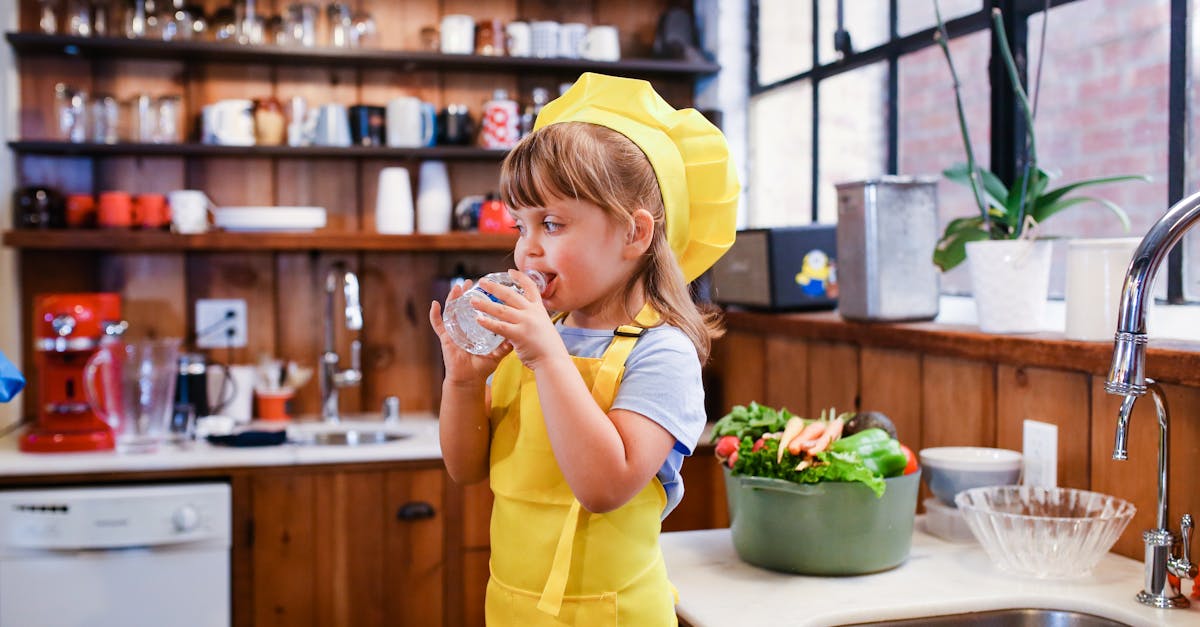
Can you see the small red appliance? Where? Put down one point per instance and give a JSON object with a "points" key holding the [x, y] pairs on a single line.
{"points": [[67, 330]]}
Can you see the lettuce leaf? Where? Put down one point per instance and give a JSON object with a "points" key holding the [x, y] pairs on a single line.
{"points": [[833, 466]]}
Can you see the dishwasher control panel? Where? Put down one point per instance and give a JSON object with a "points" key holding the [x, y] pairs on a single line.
{"points": [[89, 518]]}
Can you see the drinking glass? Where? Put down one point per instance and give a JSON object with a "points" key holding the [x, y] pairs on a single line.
{"points": [[70, 112], [104, 118], [48, 16], [300, 24]]}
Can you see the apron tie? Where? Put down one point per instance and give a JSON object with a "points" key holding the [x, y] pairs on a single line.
{"points": [[556, 584]]}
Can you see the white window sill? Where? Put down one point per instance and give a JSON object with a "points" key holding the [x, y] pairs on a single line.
{"points": [[1175, 322]]}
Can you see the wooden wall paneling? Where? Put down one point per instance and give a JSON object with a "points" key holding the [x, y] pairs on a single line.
{"points": [[351, 513], [48, 272], [703, 504], [1053, 396], [285, 575], [38, 76], [475, 578], [299, 294], [470, 264], [1136, 479], [397, 351], [581, 11], [153, 294], [414, 550], [69, 175], [832, 377], [378, 85], [784, 367], [477, 515], [958, 402], [469, 178], [248, 276], [234, 181], [399, 23], [329, 183], [742, 364], [636, 22], [141, 175], [318, 85], [891, 383], [28, 10]]}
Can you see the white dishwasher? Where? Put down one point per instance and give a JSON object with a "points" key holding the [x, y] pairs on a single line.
{"points": [[115, 556]]}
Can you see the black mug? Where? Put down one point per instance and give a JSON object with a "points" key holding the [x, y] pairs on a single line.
{"points": [[367, 125], [455, 127], [191, 386]]}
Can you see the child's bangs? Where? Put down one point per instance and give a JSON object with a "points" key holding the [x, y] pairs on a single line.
{"points": [[553, 163]]}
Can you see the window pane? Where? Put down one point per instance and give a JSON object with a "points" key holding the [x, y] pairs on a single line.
{"points": [[781, 156], [928, 132], [916, 16], [1103, 112], [784, 39], [853, 139], [865, 20]]}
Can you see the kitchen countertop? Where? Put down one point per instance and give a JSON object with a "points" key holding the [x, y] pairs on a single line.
{"points": [[939, 578], [422, 444]]}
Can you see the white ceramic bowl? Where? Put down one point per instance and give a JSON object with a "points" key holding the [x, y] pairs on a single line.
{"points": [[949, 470], [1044, 532]]}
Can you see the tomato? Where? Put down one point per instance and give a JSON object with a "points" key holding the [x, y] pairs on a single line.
{"points": [[727, 445], [911, 466]]}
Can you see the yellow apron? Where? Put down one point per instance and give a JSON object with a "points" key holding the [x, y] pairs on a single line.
{"points": [[553, 562]]}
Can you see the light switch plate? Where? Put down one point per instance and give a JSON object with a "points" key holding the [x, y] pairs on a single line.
{"points": [[220, 323], [1040, 450]]}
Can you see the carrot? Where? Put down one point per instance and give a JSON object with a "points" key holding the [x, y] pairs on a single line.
{"points": [[812, 431], [832, 432], [793, 428]]}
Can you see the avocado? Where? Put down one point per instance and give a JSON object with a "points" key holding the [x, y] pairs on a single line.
{"points": [[864, 420]]}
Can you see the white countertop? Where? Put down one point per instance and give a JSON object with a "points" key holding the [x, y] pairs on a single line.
{"points": [[421, 444], [716, 588]]}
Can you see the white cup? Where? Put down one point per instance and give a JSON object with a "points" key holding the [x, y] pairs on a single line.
{"points": [[458, 34], [228, 122], [435, 207], [394, 202], [411, 123], [570, 39], [189, 211], [1095, 275], [544, 37], [235, 397], [333, 126], [602, 43], [519, 39]]}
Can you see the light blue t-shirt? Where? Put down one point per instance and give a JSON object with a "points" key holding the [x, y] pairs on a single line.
{"points": [[661, 382]]}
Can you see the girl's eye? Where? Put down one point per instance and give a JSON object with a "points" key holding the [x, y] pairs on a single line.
{"points": [[519, 228], [551, 226]]}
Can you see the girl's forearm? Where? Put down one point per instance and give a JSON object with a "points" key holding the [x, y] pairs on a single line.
{"points": [[463, 431]]}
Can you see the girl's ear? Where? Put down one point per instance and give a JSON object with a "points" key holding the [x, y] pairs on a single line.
{"points": [[641, 234]]}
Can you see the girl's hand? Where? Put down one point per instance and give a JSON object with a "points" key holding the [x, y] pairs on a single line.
{"points": [[463, 367], [523, 321]]}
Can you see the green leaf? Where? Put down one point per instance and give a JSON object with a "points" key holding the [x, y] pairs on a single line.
{"points": [[1045, 211], [1054, 195], [951, 250], [993, 190]]}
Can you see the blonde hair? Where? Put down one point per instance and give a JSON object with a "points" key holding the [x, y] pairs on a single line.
{"points": [[596, 164]]}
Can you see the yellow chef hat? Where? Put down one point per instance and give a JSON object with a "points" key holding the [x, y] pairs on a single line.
{"points": [[689, 156]]}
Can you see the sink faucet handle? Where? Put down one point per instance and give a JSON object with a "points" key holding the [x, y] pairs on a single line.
{"points": [[391, 409], [1183, 567]]}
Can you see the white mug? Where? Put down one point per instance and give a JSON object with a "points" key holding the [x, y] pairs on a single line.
{"points": [[333, 126], [411, 123], [233, 397], [394, 202], [544, 39], [228, 122], [519, 39], [570, 39], [602, 43], [1095, 276], [458, 34], [189, 211]]}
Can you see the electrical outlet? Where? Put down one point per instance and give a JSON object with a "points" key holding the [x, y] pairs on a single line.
{"points": [[1040, 444], [220, 323]]}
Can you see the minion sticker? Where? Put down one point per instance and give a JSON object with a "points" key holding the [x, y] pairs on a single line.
{"points": [[818, 275]]}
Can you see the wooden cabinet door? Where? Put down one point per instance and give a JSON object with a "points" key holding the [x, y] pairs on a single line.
{"points": [[348, 548]]}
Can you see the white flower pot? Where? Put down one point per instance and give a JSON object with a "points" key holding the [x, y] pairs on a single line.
{"points": [[1010, 279]]}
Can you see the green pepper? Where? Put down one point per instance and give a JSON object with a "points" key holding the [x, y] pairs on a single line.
{"points": [[878, 451]]}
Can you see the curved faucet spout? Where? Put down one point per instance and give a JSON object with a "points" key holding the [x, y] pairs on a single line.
{"points": [[332, 376]]}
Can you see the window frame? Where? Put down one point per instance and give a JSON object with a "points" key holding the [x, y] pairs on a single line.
{"points": [[1007, 123]]}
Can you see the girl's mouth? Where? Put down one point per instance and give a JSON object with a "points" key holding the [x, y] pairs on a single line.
{"points": [[550, 285]]}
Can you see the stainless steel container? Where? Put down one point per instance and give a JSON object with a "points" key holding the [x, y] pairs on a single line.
{"points": [[887, 229]]}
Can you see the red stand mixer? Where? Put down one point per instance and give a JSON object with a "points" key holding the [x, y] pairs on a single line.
{"points": [[67, 330]]}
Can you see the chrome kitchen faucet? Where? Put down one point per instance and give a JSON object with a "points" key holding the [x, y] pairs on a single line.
{"points": [[332, 378], [1127, 377]]}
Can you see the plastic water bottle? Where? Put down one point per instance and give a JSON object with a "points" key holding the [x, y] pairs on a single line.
{"points": [[461, 319]]}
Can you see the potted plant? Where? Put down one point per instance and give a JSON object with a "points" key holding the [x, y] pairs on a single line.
{"points": [[1010, 267]]}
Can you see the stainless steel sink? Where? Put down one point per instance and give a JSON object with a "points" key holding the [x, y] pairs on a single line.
{"points": [[352, 437], [1024, 617]]}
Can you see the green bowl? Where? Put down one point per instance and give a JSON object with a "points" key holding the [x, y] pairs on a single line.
{"points": [[827, 528]]}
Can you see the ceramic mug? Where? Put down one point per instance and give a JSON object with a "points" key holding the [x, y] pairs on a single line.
{"points": [[570, 39], [544, 39], [411, 123], [229, 122], [519, 39], [189, 211], [602, 43], [333, 126], [458, 34], [1095, 276]]}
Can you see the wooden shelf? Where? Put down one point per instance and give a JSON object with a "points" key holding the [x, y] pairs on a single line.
{"points": [[406, 60], [90, 149], [121, 240]]}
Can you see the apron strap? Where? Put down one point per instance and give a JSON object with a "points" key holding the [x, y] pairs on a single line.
{"points": [[603, 388]]}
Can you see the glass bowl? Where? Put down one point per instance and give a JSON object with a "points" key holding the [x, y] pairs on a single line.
{"points": [[1047, 533]]}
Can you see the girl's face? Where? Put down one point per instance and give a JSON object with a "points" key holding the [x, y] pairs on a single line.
{"points": [[586, 256]]}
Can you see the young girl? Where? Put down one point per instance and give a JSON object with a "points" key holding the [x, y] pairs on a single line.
{"points": [[620, 201]]}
